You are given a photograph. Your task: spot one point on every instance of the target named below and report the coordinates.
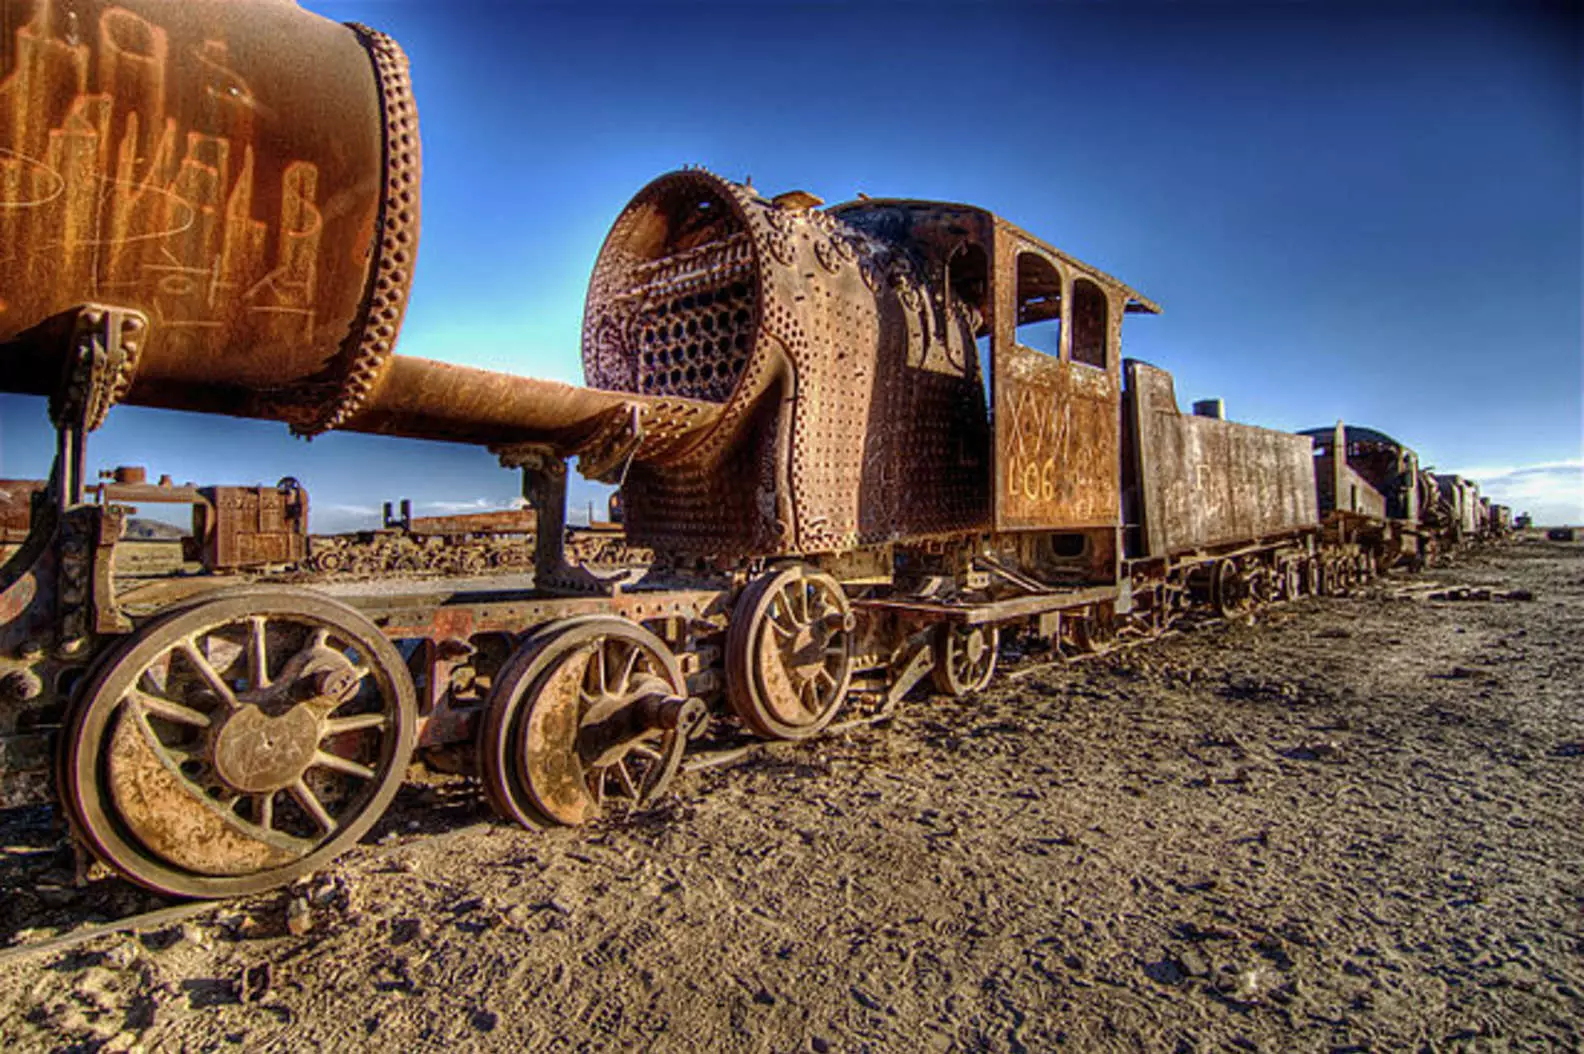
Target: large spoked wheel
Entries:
(965, 658)
(238, 742)
(1229, 593)
(588, 712)
(789, 653)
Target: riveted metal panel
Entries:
(1057, 422)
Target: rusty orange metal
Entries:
(1202, 482)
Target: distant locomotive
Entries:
(851, 467)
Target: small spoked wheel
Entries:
(1092, 630)
(588, 713)
(789, 652)
(1290, 582)
(238, 742)
(1314, 576)
(1260, 587)
(1229, 592)
(965, 658)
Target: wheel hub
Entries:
(255, 752)
(975, 647)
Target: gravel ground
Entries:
(1350, 824)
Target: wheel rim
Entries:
(965, 658)
(789, 653)
(237, 743)
(566, 731)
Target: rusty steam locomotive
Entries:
(852, 473)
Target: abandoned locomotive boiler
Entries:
(861, 443)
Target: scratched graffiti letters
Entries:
(118, 188)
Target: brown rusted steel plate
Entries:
(1203, 482)
(1057, 436)
(1057, 443)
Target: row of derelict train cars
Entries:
(842, 469)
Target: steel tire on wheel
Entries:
(199, 756)
(789, 652)
(965, 658)
(535, 740)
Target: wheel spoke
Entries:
(304, 796)
(804, 694)
(782, 614)
(264, 810)
(210, 675)
(599, 665)
(325, 759)
(335, 726)
(158, 706)
(634, 653)
(258, 654)
(644, 750)
(625, 778)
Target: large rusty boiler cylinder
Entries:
(841, 360)
(242, 173)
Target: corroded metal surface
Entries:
(180, 159)
(587, 710)
(239, 742)
(789, 653)
(1203, 482)
(842, 348)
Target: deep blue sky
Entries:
(1370, 212)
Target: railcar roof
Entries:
(1354, 434)
(1137, 303)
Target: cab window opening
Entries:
(1089, 317)
(1039, 304)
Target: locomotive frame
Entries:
(852, 472)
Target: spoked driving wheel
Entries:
(789, 653)
(965, 658)
(238, 742)
(588, 712)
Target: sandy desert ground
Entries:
(1353, 823)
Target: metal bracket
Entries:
(106, 343)
(544, 474)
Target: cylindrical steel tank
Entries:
(242, 172)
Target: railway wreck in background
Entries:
(834, 431)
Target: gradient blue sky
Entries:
(1362, 211)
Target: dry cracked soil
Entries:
(1351, 823)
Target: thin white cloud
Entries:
(1550, 491)
(452, 508)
